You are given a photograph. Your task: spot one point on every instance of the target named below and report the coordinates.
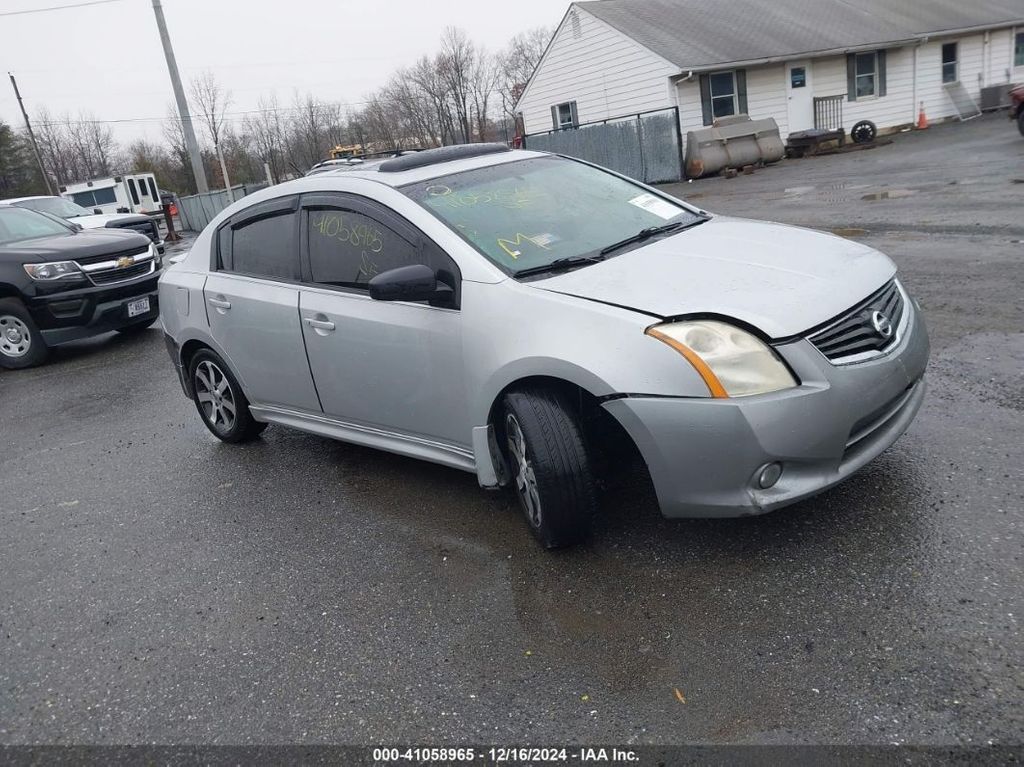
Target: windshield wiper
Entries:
(559, 264)
(652, 231)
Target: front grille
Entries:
(86, 260)
(110, 276)
(148, 228)
(854, 337)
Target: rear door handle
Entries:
(325, 325)
(220, 303)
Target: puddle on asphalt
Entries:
(889, 194)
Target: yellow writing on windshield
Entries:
(512, 246)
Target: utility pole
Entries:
(179, 97)
(31, 136)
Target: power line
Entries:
(58, 7)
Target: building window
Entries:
(723, 94)
(866, 74)
(1018, 50)
(949, 67)
(564, 115)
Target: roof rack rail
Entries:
(441, 154)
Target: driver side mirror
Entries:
(98, 211)
(76, 226)
(411, 283)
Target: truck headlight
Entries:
(732, 362)
(54, 270)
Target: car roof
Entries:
(424, 170)
(12, 200)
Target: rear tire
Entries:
(219, 399)
(550, 466)
(21, 343)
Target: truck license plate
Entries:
(140, 306)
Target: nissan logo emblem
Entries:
(881, 324)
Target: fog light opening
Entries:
(769, 475)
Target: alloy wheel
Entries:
(15, 337)
(215, 396)
(526, 479)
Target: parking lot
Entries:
(159, 586)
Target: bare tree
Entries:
(267, 131)
(211, 101)
(517, 62)
(174, 135)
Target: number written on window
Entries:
(349, 249)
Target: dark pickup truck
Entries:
(59, 283)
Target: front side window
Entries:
(723, 94)
(17, 224)
(265, 247)
(528, 213)
(866, 72)
(1018, 50)
(348, 249)
(949, 68)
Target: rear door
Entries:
(394, 365)
(252, 301)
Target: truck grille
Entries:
(87, 260)
(854, 337)
(110, 276)
(148, 228)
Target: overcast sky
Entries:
(107, 59)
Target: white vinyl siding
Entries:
(606, 73)
(766, 97)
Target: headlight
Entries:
(55, 270)
(732, 362)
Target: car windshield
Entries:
(17, 224)
(527, 214)
(56, 206)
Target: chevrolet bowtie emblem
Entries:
(125, 261)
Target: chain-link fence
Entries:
(645, 146)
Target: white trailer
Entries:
(133, 193)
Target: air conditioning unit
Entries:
(995, 96)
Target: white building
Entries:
(880, 59)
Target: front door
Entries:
(800, 95)
(390, 365)
(252, 302)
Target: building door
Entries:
(800, 96)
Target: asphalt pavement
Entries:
(158, 586)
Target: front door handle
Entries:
(326, 326)
(220, 303)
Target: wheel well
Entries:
(8, 291)
(611, 444)
(188, 351)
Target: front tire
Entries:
(21, 343)
(550, 466)
(220, 401)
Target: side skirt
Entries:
(369, 436)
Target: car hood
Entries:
(98, 221)
(781, 279)
(66, 247)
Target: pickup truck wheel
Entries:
(550, 466)
(220, 401)
(21, 343)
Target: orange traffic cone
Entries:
(922, 121)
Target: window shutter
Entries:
(575, 115)
(554, 117)
(741, 91)
(851, 77)
(880, 91)
(705, 99)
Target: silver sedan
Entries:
(524, 316)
